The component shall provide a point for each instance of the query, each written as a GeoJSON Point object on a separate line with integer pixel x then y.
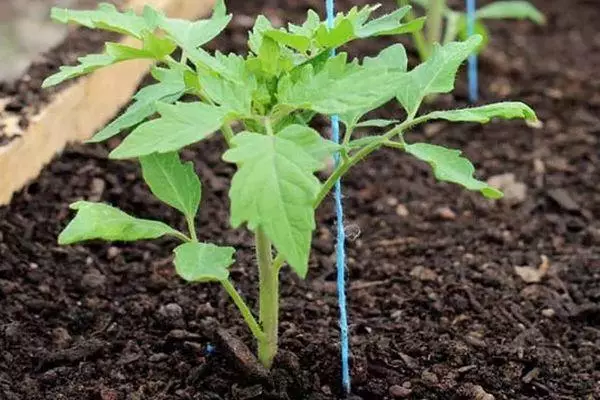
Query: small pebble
{"type": "Point", "coordinates": [399, 392]}
{"type": "Point", "coordinates": [548, 312]}
{"type": "Point", "coordinates": [93, 279]}
{"type": "Point", "coordinates": [171, 311]}
{"type": "Point", "coordinates": [445, 213]}
{"type": "Point", "coordinates": [112, 252]}
{"type": "Point", "coordinates": [423, 273]}
{"type": "Point", "coordinates": [61, 337]}
{"type": "Point", "coordinates": [401, 210]}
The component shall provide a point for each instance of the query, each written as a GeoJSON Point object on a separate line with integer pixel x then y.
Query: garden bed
{"type": "Point", "coordinates": [36, 124]}
{"type": "Point", "coordinates": [437, 309]}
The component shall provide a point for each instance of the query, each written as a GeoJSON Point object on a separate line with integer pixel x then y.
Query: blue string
{"type": "Point", "coordinates": [341, 237]}
{"type": "Point", "coordinates": [473, 70]}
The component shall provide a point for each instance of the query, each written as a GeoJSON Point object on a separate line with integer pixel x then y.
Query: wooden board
{"type": "Point", "coordinates": [80, 110]}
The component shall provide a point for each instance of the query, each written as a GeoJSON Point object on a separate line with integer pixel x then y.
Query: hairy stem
{"type": "Point", "coordinates": [192, 228]}
{"type": "Point", "coordinates": [244, 310]}
{"type": "Point", "coordinates": [227, 133]}
{"type": "Point", "coordinates": [268, 298]}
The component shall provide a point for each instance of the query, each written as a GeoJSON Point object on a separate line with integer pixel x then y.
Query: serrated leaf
{"type": "Point", "coordinates": [295, 41]}
{"type": "Point", "coordinates": [338, 88]}
{"type": "Point", "coordinates": [261, 25]}
{"type": "Point", "coordinates": [394, 61]}
{"type": "Point", "coordinates": [392, 58]}
{"type": "Point", "coordinates": [483, 114]}
{"type": "Point", "coordinates": [274, 189]}
{"type": "Point", "coordinates": [180, 125]}
{"type": "Point", "coordinates": [190, 35]}
{"type": "Point", "coordinates": [203, 262]}
{"type": "Point", "coordinates": [106, 17]}
{"type": "Point", "coordinates": [511, 9]}
{"type": "Point", "coordinates": [169, 90]}
{"type": "Point", "coordinates": [173, 182]}
{"type": "Point", "coordinates": [310, 141]}
{"type": "Point", "coordinates": [390, 24]}
{"type": "Point", "coordinates": [101, 221]}
{"type": "Point", "coordinates": [331, 38]}
{"type": "Point", "coordinates": [86, 65]}
{"type": "Point", "coordinates": [436, 75]}
{"type": "Point", "coordinates": [154, 48]}
{"type": "Point", "coordinates": [449, 166]}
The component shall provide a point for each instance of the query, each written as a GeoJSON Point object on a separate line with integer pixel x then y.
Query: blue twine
{"type": "Point", "coordinates": [341, 237]}
{"type": "Point", "coordinates": [210, 349]}
{"type": "Point", "coordinates": [473, 78]}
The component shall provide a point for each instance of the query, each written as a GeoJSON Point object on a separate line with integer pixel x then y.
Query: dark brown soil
{"type": "Point", "coordinates": [437, 310]}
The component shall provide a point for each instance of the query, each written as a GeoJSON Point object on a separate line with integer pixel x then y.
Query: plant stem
{"type": "Point", "coordinates": [244, 310]}
{"type": "Point", "coordinates": [358, 156]}
{"type": "Point", "coordinates": [192, 228]}
{"type": "Point", "coordinates": [418, 37]}
{"type": "Point", "coordinates": [227, 133]}
{"type": "Point", "coordinates": [435, 14]}
{"type": "Point", "coordinates": [268, 298]}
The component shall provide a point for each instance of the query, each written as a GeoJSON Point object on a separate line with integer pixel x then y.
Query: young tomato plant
{"type": "Point", "coordinates": [455, 27]}
{"type": "Point", "coordinates": [263, 104]}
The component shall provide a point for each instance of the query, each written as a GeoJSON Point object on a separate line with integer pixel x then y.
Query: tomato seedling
{"type": "Point", "coordinates": [263, 104]}
{"type": "Point", "coordinates": [444, 25]}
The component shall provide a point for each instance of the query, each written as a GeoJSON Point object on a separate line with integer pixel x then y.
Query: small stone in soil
{"type": "Point", "coordinates": [93, 279]}
{"type": "Point", "coordinates": [61, 337]}
{"type": "Point", "coordinates": [423, 274]}
{"type": "Point", "coordinates": [241, 354]}
{"type": "Point", "coordinates": [170, 311]}
{"type": "Point", "coordinates": [399, 392]}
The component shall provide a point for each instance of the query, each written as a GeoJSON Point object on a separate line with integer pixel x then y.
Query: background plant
{"type": "Point", "coordinates": [263, 104]}
{"type": "Point", "coordinates": [444, 25]}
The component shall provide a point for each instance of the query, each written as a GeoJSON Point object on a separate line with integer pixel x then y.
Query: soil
{"type": "Point", "coordinates": [438, 309]}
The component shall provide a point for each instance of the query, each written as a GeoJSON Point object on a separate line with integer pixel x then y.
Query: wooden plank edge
{"type": "Point", "coordinates": [83, 108]}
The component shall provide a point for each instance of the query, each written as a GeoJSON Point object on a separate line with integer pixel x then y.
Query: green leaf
{"type": "Point", "coordinates": [310, 141]}
{"type": "Point", "coordinates": [390, 24]}
{"type": "Point", "coordinates": [269, 57]}
{"type": "Point", "coordinates": [436, 75]}
{"type": "Point", "coordinates": [190, 35]}
{"type": "Point", "coordinates": [220, 9]}
{"type": "Point", "coordinates": [393, 58]}
{"type": "Point", "coordinates": [511, 9]}
{"type": "Point", "coordinates": [331, 38]}
{"type": "Point", "coordinates": [145, 102]}
{"type": "Point", "coordinates": [377, 123]}
{"type": "Point", "coordinates": [180, 125]}
{"type": "Point", "coordinates": [261, 25]}
{"type": "Point", "coordinates": [274, 189]}
{"type": "Point", "coordinates": [338, 88]}
{"type": "Point", "coordinates": [101, 221]}
{"type": "Point", "coordinates": [295, 41]}
{"type": "Point", "coordinates": [173, 182]}
{"type": "Point", "coordinates": [203, 262]}
{"type": "Point", "coordinates": [449, 166]}
{"type": "Point", "coordinates": [483, 114]}
{"type": "Point", "coordinates": [105, 17]}
{"type": "Point", "coordinates": [394, 61]}
{"type": "Point", "coordinates": [86, 65]}
{"type": "Point", "coordinates": [154, 48]}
